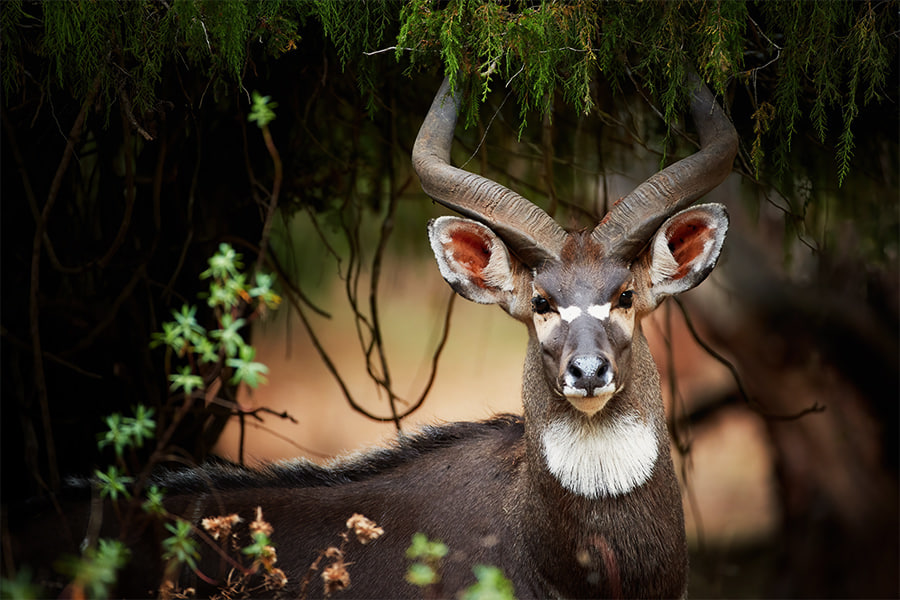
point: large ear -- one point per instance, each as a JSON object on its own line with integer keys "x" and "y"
{"x": 474, "y": 261}
{"x": 684, "y": 250}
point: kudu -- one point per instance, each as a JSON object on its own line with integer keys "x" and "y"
{"x": 579, "y": 497}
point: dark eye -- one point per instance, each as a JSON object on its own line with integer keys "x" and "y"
{"x": 540, "y": 305}
{"x": 626, "y": 299}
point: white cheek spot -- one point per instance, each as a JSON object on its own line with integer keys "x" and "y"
{"x": 598, "y": 311}
{"x": 570, "y": 313}
{"x": 598, "y": 460}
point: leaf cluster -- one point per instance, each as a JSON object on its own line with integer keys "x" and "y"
{"x": 836, "y": 54}
{"x": 229, "y": 290}
{"x": 425, "y": 572}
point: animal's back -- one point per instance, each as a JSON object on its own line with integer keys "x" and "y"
{"x": 452, "y": 483}
{"x": 448, "y": 483}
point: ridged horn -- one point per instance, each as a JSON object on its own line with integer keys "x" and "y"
{"x": 631, "y": 222}
{"x": 528, "y": 231}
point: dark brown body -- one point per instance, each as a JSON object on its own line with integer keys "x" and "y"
{"x": 470, "y": 485}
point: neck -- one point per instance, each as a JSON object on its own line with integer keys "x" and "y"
{"x": 593, "y": 481}
{"x": 608, "y": 454}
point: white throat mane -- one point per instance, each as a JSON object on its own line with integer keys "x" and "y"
{"x": 596, "y": 460}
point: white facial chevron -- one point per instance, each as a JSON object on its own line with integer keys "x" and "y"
{"x": 599, "y": 312}
{"x": 570, "y": 313}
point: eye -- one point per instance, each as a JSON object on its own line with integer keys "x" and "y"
{"x": 540, "y": 305}
{"x": 626, "y": 299}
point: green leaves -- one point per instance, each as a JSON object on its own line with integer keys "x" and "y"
{"x": 223, "y": 265}
{"x": 154, "y": 502}
{"x": 261, "y": 546}
{"x": 428, "y": 555}
{"x": 113, "y": 483}
{"x": 426, "y": 571}
{"x": 124, "y": 432}
{"x": 96, "y": 571}
{"x": 492, "y": 585}
{"x": 180, "y": 547}
{"x": 228, "y": 294}
{"x": 261, "y": 110}
{"x": 246, "y": 369}
{"x": 229, "y": 335}
{"x": 185, "y": 380}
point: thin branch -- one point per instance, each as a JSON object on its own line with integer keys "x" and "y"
{"x": 5, "y": 333}
{"x": 290, "y": 441}
{"x": 435, "y": 358}
{"x": 139, "y": 273}
{"x": 389, "y": 49}
{"x": 34, "y": 313}
{"x": 128, "y": 152}
{"x": 751, "y": 402}
{"x": 129, "y": 114}
{"x": 387, "y": 227}
{"x": 273, "y": 197}
{"x": 330, "y": 365}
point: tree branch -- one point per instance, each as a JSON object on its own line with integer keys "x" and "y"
{"x": 34, "y": 311}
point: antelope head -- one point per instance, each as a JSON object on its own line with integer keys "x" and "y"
{"x": 583, "y": 293}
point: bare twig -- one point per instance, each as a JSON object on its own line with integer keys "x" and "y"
{"x": 751, "y": 402}
{"x": 129, "y": 114}
{"x": 389, "y": 49}
{"x": 273, "y": 196}
{"x": 128, "y": 151}
{"x": 34, "y": 313}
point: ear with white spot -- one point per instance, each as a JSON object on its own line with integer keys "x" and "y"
{"x": 474, "y": 261}
{"x": 685, "y": 250}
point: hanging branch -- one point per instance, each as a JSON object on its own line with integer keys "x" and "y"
{"x": 128, "y": 159}
{"x": 34, "y": 313}
{"x": 748, "y": 400}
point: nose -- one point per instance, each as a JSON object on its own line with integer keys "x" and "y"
{"x": 586, "y": 375}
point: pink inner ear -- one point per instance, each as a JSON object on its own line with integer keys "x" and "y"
{"x": 687, "y": 240}
{"x": 472, "y": 252}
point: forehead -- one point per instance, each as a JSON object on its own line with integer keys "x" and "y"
{"x": 582, "y": 275}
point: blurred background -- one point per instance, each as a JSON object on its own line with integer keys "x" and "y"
{"x": 132, "y": 147}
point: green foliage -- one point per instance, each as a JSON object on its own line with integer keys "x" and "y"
{"x": 841, "y": 51}
{"x": 180, "y": 547}
{"x": 19, "y": 587}
{"x": 228, "y": 292}
{"x": 799, "y": 58}
{"x": 124, "y": 432}
{"x": 830, "y": 50}
{"x": 154, "y": 502}
{"x": 97, "y": 569}
{"x": 261, "y": 110}
{"x": 246, "y": 370}
{"x": 112, "y": 483}
{"x": 261, "y": 546}
{"x": 428, "y": 555}
{"x": 184, "y": 379}
{"x": 491, "y": 585}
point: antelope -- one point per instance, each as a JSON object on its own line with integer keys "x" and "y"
{"x": 576, "y": 498}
